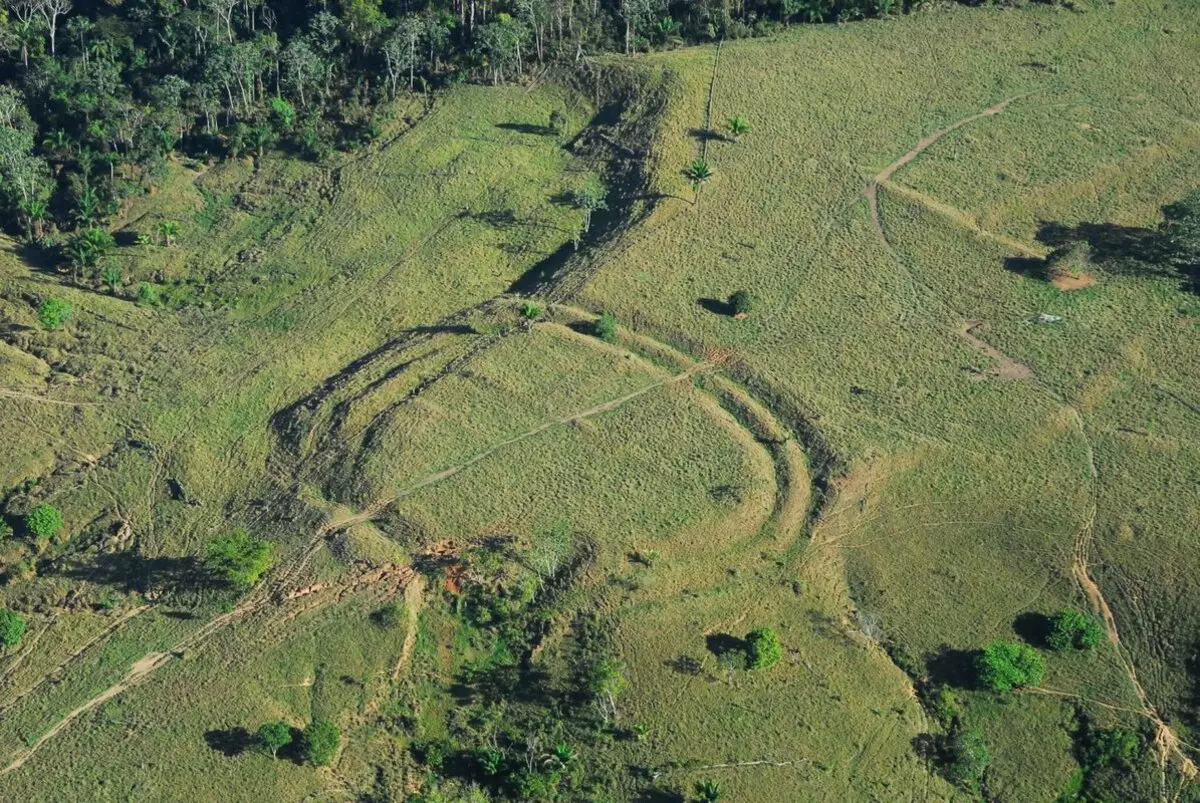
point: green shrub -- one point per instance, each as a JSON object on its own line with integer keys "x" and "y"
{"x": 531, "y": 311}
{"x": 1111, "y": 747}
{"x": 606, "y": 328}
{"x": 1070, "y": 260}
{"x": 1073, "y": 629}
{"x": 942, "y": 703}
{"x": 12, "y": 628}
{"x": 763, "y": 648}
{"x": 966, "y": 758}
{"x": 742, "y": 302}
{"x": 1005, "y": 665}
{"x": 44, "y": 521}
{"x": 55, "y": 312}
{"x": 321, "y": 741}
{"x": 240, "y": 558}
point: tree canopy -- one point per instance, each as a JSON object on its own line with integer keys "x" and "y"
{"x": 239, "y": 558}
{"x": 1005, "y": 665}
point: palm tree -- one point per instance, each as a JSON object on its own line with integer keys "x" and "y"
{"x": 699, "y": 172}
{"x": 708, "y": 791}
{"x": 168, "y": 229}
{"x": 737, "y": 126}
{"x": 562, "y": 756}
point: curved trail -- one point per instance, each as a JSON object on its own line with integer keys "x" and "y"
{"x": 872, "y": 188}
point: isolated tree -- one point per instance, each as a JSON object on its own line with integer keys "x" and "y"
{"x": 707, "y": 791}
{"x": 1068, "y": 261}
{"x": 558, "y": 123}
{"x": 239, "y": 558}
{"x": 737, "y": 126}
{"x": 590, "y": 197}
{"x": 763, "y": 648}
{"x": 742, "y": 302}
{"x": 321, "y": 741}
{"x": 54, "y": 312}
{"x": 12, "y": 628}
{"x": 1179, "y": 233}
{"x": 274, "y": 736}
{"x": 1005, "y": 665}
{"x": 605, "y": 328}
{"x": 44, "y": 521}
{"x": 531, "y": 311}
{"x": 1072, "y": 629}
{"x": 607, "y": 681}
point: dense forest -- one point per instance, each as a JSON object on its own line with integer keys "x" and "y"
{"x": 94, "y": 95}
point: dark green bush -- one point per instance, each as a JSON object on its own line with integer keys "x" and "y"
{"x": 742, "y": 302}
{"x": 763, "y": 648}
{"x": 531, "y": 311}
{"x": 966, "y": 759}
{"x": 1005, "y": 665}
{"x": 1073, "y": 629}
{"x": 321, "y": 741}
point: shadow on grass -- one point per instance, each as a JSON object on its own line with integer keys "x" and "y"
{"x": 133, "y": 572}
{"x": 1033, "y": 628}
{"x": 720, "y": 643}
{"x": 953, "y": 667}
{"x": 230, "y": 742}
{"x": 1027, "y": 267}
{"x": 528, "y": 128}
{"x": 708, "y": 135}
{"x": 716, "y": 306}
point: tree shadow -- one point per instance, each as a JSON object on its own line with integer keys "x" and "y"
{"x": 230, "y": 742}
{"x": 685, "y": 665}
{"x": 720, "y": 643}
{"x": 953, "y": 667}
{"x": 133, "y": 572}
{"x": 1123, "y": 250}
{"x": 716, "y": 306}
{"x": 707, "y": 135}
{"x": 496, "y": 218}
{"x": 528, "y": 128}
{"x": 1033, "y": 628}
{"x": 1028, "y": 267}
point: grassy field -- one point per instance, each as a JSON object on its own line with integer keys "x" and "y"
{"x": 888, "y": 461}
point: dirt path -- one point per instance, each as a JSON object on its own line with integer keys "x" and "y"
{"x": 137, "y": 673}
{"x": 872, "y": 188}
{"x": 1006, "y": 366}
{"x": 412, "y": 603}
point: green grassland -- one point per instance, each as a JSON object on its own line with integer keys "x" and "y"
{"x": 888, "y": 461}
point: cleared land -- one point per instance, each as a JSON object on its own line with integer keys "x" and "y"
{"x": 889, "y": 461}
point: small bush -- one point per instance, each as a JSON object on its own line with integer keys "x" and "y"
{"x": 942, "y": 703}
{"x": 321, "y": 741}
{"x": 531, "y": 311}
{"x": 1073, "y": 629}
{"x": 55, "y": 312}
{"x": 606, "y": 328}
{"x": 1111, "y": 747}
{"x": 1005, "y": 665}
{"x": 742, "y": 302}
{"x": 44, "y": 521}
{"x": 12, "y": 628}
{"x": 763, "y": 648}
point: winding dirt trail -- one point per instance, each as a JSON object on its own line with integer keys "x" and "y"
{"x": 872, "y": 188}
